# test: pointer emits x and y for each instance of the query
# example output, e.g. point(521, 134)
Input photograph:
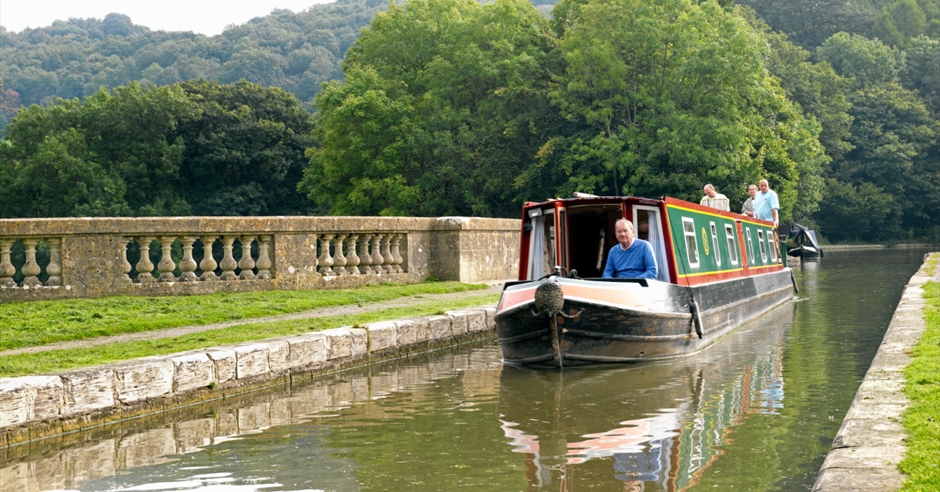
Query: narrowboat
point(806, 245)
point(715, 271)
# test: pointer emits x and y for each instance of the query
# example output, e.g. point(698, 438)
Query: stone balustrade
point(93, 257)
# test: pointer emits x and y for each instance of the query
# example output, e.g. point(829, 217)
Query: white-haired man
point(631, 257)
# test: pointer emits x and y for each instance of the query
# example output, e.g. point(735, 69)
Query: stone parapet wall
point(36, 407)
point(94, 257)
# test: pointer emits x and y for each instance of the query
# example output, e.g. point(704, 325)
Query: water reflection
point(652, 426)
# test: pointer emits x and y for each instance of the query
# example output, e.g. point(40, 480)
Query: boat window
point(763, 249)
point(691, 246)
point(732, 244)
point(772, 247)
point(715, 243)
point(750, 247)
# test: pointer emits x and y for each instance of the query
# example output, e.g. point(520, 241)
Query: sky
point(207, 17)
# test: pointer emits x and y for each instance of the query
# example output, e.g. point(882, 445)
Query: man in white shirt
point(714, 199)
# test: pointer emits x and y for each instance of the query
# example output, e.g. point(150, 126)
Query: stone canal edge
point(870, 443)
point(38, 407)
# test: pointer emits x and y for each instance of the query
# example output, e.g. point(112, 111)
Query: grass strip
point(34, 323)
point(922, 418)
point(55, 361)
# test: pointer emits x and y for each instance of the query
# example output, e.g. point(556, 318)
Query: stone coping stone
point(870, 443)
point(161, 382)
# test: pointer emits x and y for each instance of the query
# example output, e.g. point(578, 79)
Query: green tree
point(921, 72)
point(244, 154)
point(674, 94)
point(445, 104)
point(900, 21)
point(868, 61)
point(873, 215)
point(810, 22)
point(896, 150)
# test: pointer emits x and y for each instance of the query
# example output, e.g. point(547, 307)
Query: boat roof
point(801, 234)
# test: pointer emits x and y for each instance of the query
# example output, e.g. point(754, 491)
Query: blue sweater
point(635, 262)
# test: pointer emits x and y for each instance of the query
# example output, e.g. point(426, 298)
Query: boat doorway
point(590, 235)
point(649, 227)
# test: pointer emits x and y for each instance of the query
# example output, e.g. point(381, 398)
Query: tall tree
point(674, 94)
point(445, 103)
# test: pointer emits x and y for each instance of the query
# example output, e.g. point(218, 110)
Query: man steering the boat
point(632, 257)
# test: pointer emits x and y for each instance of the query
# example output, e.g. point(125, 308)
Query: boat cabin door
point(542, 245)
point(648, 223)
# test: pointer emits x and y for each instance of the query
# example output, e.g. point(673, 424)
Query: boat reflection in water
point(651, 426)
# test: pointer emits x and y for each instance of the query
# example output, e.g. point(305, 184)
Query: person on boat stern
point(632, 258)
point(766, 205)
point(748, 207)
point(714, 199)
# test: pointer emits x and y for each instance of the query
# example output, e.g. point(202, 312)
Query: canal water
point(755, 412)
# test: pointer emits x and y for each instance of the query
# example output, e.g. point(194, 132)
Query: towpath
point(416, 300)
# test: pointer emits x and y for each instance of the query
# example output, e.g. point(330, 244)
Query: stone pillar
point(339, 259)
point(387, 257)
point(325, 260)
point(396, 255)
point(144, 266)
point(228, 263)
point(352, 259)
point(126, 266)
point(166, 265)
point(208, 263)
point(246, 263)
point(7, 270)
point(264, 258)
point(188, 264)
point(54, 268)
point(31, 269)
point(365, 259)
point(377, 257)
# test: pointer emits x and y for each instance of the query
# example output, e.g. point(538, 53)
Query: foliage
point(809, 22)
point(922, 418)
point(444, 105)
point(671, 94)
point(868, 61)
point(75, 58)
point(921, 72)
point(197, 148)
point(896, 150)
point(861, 212)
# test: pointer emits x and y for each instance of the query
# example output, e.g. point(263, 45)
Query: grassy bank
point(40, 323)
point(922, 418)
point(27, 324)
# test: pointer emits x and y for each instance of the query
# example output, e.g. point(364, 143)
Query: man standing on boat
point(714, 199)
point(766, 205)
point(748, 207)
point(632, 258)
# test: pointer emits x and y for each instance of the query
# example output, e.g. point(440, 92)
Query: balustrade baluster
point(352, 259)
point(166, 264)
point(31, 269)
point(144, 266)
point(365, 259)
point(264, 258)
point(396, 255)
point(339, 259)
point(54, 268)
point(325, 260)
point(246, 263)
point(188, 264)
point(208, 263)
point(7, 270)
point(377, 257)
point(387, 257)
point(126, 266)
point(228, 263)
